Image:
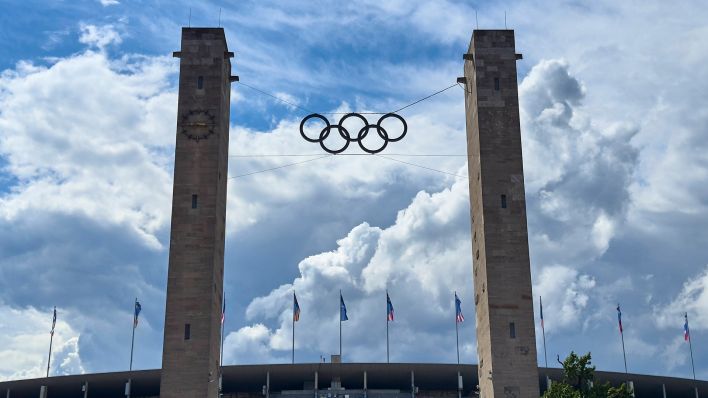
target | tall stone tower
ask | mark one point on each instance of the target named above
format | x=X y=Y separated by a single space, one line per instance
x=190 y=358
x=506 y=343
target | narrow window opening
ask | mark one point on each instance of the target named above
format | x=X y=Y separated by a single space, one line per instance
x=496 y=84
x=477 y=255
x=187 y=331
x=503 y=201
x=200 y=82
x=512 y=330
x=194 y=201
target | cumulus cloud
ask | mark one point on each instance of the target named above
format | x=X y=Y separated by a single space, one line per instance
x=24 y=342
x=566 y=293
x=692 y=299
x=85 y=132
x=99 y=36
x=420 y=259
x=88 y=141
x=577 y=175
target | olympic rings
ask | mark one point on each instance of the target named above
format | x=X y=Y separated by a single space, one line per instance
x=348 y=138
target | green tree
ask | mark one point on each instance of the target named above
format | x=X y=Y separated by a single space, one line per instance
x=578 y=381
x=619 y=392
x=561 y=390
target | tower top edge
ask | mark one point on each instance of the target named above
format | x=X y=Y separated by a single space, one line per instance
x=492 y=38
x=202 y=31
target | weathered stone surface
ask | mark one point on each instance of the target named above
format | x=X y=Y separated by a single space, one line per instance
x=501 y=267
x=190 y=367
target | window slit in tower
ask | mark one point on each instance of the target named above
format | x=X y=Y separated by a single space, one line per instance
x=512 y=330
x=194 y=201
x=503 y=201
x=496 y=84
x=187 y=331
x=200 y=82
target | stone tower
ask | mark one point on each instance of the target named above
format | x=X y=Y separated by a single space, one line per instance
x=192 y=342
x=506 y=342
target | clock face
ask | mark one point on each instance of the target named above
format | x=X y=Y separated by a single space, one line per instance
x=198 y=124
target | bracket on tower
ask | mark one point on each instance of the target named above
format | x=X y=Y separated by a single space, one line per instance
x=468 y=57
x=229 y=54
x=177 y=54
x=233 y=79
x=462 y=80
x=519 y=56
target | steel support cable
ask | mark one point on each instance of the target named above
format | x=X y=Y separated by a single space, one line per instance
x=280 y=167
x=343 y=113
x=344 y=154
x=326 y=156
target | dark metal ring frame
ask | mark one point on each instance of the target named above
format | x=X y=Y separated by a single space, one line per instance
x=344 y=133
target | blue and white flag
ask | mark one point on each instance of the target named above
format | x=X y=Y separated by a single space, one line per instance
x=342 y=309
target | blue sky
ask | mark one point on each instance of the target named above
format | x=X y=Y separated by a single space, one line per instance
x=613 y=112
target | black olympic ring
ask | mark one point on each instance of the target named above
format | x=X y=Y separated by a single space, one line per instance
x=344 y=133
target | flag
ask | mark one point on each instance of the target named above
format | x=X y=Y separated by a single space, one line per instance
x=619 y=318
x=342 y=309
x=541 y=300
x=54 y=321
x=686 y=334
x=138 y=308
x=389 y=308
x=458 y=310
x=296 y=309
x=223 y=310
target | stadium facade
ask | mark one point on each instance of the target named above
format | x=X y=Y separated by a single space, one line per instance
x=329 y=380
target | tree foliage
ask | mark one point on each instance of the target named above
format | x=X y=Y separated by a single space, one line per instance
x=579 y=381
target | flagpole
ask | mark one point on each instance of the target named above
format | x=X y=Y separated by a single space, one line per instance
x=624 y=354
x=690 y=346
x=223 y=320
x=340 y=325
x=51 y=339
x=293 y=326
x=387 y=348
x=50 y=353
x=457 y=333
x=543 y=331
x=132 y=341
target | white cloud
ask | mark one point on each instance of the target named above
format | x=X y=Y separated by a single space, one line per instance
x=99 y=36
x=420 y=259
x=24 y=344
x=107 y=3
x=86 y=132
x=577 y=175
x=693 y=299
x=566 y=294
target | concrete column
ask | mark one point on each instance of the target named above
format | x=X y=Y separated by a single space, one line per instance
x=127 y=388
x=459 y=385
x=696 y=389
x=316 y=383
x=43 y=392
x=267 y=384
x=365 y=386
x=630 y=384
x=663 y=390
x=7 y=395
x=84 y=388
x=412 y=384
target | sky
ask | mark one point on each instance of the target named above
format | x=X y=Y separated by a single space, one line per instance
x=613 y=110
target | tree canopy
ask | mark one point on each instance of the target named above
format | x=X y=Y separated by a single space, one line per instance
x=579 y=381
